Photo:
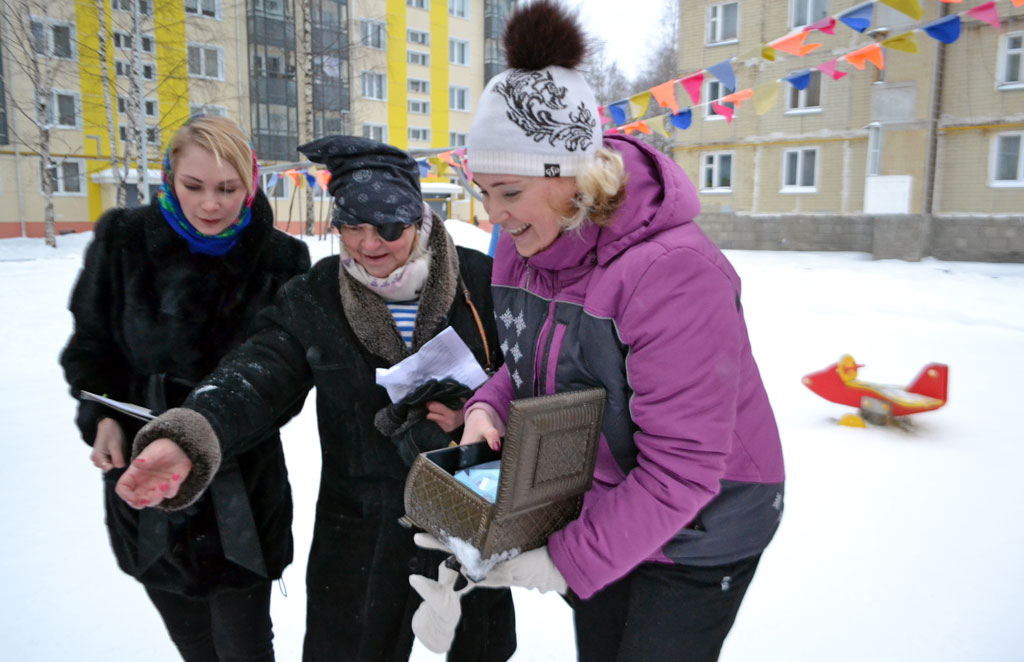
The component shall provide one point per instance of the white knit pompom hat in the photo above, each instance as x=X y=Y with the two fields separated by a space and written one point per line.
x=540 y=117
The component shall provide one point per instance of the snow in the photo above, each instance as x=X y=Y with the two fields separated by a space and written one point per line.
x=896 y=543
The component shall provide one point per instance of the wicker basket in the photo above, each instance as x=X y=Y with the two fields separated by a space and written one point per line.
x=547 y=463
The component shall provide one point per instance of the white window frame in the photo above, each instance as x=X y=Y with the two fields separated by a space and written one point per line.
x=373 y=34
x=419 y=106
x=419 y=134
x=47 y=25
x=457 y=139
x=145 y=7
x=59 y=188
x=713 y=25
x=806 y=7
x=369 y=129
x=421 y=37
x=799 y=186
x=200 y=12
x=418 y=4
x=285 y=183
x=208 y=109
x=122 y=39
x=370 y=81
x=419 y=86
x=152 y=44
x=994 y=161
x=457 y=48
x=713 y=92
x=458 y=8
x=714 y=161
x=418 y=58
x=874 y=156
x=454 y=92
x=796 y=100
x=52 y=118
x=149 y=68
x=1001 y=67
x=152 y=134
x=203 y=48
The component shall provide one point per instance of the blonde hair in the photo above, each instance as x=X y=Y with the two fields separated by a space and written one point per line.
x=600 y=189
x=218 y=136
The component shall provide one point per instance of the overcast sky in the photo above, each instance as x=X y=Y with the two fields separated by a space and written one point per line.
x=628 y=27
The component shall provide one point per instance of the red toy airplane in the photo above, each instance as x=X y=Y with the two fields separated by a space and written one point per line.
x=879 y=402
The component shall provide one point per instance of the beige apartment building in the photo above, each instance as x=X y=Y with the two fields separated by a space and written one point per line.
x=922 y=157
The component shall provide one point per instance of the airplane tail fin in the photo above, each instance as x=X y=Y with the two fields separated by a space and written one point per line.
x=931 y=381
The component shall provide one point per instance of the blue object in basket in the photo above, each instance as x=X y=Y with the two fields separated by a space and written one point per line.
x=482 y=479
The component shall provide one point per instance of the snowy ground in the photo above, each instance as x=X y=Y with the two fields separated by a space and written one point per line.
x=897 y=544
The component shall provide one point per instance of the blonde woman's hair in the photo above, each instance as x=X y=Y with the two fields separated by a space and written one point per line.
x=218 y=136
x=600 y=189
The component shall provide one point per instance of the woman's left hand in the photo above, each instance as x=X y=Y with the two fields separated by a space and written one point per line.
x=448 y=419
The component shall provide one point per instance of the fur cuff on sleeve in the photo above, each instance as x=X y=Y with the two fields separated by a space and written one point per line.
x=193 y=433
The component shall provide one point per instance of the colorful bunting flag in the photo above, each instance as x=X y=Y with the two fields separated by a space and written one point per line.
x=723 y=72
x=738 y=96
x=618 y=111
x=724 y=111
x=768 y=53
x=692 y=84
x=657 y=124
x=829 y=69
x=872 y=53
x=682 y=120
x=604 y=118
x=859 y=18
x=958 y=1
x=826 y=25
x=1017 y=3
x=987 y=13
x=638 y=125
x=794 y=44
x=310 y=179
x=447 y=158
x=272 y=182
x=911 y=8
x=800 y=80
x=946 y=30
x=294 y=176
x=906 y=42
x=612 y=130
x=665 y=95
x=765 y=97
x=638 y=103
x=322 y=177
x=424 y=167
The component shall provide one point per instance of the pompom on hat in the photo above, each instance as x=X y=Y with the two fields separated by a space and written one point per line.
x=538 y=118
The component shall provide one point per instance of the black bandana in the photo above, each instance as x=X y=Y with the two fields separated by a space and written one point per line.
x=371 y=183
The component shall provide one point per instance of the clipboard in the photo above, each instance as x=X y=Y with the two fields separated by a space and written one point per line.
x=133 y=410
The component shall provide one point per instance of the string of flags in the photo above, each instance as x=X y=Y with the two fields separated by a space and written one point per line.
x=318 y=177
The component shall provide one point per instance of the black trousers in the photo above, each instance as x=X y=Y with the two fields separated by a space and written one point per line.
x=663 y=613
x=230 y=626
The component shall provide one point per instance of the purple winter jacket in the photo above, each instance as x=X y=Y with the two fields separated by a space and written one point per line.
x=689 y=465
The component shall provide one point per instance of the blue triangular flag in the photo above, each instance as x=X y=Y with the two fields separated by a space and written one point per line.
x=723 y=72
x=946 y=30
x=272 y=182
x=618 y=111
x=682 y=119
x=859 y=18
x=800 y=80
x=424 y=167
x=310 y=179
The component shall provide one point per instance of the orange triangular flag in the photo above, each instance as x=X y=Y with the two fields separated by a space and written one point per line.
x=1018 y=3
x=872 y=53
x=294 y=176
x=642 y=127
x=665 y=95
x=738 y=96
x=794 y=44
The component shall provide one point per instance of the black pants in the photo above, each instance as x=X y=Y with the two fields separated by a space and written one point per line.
x=230 y=626
x=663 y=613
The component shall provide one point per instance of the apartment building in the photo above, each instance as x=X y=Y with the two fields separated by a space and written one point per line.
x=935 y=136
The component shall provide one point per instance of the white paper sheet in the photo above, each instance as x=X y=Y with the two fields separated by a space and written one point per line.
x=444 y=355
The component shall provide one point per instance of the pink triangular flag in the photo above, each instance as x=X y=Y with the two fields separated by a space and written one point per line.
x=826 y=25
x=665 y=95
x=987 y=13
x=692 y=84
x=829 y=69
x=604 y=118
x=724 y=111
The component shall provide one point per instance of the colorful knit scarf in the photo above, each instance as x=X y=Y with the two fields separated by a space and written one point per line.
x=215 y=245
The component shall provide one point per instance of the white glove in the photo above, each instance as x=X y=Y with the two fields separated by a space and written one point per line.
x=435 y=620
x=533 y=569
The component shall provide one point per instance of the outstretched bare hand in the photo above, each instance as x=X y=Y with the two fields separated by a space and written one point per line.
x=156 y=474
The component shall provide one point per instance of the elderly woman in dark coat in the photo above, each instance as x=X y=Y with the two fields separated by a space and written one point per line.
x=166 y=291
x=332 y=328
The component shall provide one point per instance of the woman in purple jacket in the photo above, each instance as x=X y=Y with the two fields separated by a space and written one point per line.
x=602 y=278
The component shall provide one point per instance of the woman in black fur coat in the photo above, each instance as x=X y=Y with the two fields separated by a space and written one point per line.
x=332 y=328
x=165 y=292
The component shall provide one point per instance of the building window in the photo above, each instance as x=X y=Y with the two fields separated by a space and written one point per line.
x=717 y=172
x=122 y=39
x=713 y=91
x=148 y=44
x=1008 y=160
x=805 y=12
x=723 y=21
x=205 y=61
x=269 y=7
x=373 y=34
x=148 y=71
x=68 y=175
x=62 y=111
x=418 y=4
x=374 y=85
x=458 y=97
x=419 y=107
x=807 y=99
x=419 y=86
x=457 y=139
x=152 y=108
x=145 y=8
x=458 y=8
x=416 y=133
x=418 y=57
x=1011 y=52
x=458 y=51
x=207 y=8
x=208 y=109
x=378 y=132
x=799 y=170
x=152 y=134
x=418 y=37
x=268 y=65
x=53 y=39
x=874 y=150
